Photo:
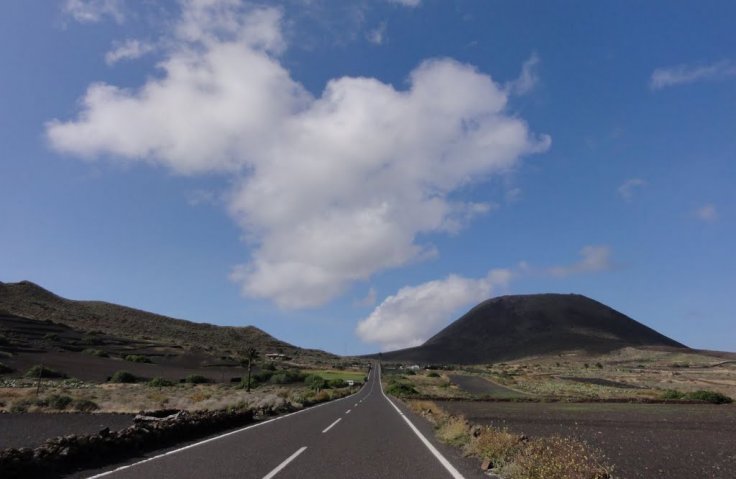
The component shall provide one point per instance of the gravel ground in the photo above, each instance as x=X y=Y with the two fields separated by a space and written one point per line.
x=32 y=429
x=642 y=441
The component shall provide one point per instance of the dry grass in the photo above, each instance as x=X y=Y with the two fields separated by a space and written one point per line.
x=513 y=456
x=557 y=458
x=497 y=445
x=132 y=398
x=454 y=431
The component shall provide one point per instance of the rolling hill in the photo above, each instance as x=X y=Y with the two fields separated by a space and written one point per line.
x=28 y=300
x=510 y=327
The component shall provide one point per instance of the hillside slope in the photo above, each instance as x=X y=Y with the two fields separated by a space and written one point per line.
x=518 y=326
x=29 y=300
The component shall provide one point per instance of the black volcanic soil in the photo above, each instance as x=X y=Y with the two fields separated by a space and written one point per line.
x=642 y=441
x=510 y=327
x=28 y=300
x=62 y=348
x=32 y=429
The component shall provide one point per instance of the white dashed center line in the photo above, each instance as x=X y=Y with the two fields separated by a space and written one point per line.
x=285 y=463
x=331 y=425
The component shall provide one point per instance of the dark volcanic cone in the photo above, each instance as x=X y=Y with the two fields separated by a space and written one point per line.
x=511 y=327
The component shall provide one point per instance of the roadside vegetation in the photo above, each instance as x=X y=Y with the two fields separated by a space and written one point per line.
x=517 y=457
x=272 y=389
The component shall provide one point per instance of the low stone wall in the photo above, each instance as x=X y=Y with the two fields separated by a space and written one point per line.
x=64 y=454
x=153 y=430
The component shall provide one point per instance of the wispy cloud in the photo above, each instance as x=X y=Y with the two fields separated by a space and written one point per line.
x=407 y=3
x=127 y=50
x=369 y=299
x=594 y=258
x=684 y=74
x=93 y=11
x=528 y=78
x=630 y=187
x=377 y=36
x=707 y=213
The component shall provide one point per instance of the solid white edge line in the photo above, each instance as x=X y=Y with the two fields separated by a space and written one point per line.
x=331 y=425
x=285 y=463
x=175 y=451
x=450 y=468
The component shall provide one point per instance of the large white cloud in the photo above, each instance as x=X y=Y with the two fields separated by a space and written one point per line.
x=330 y=188
x=414 y=313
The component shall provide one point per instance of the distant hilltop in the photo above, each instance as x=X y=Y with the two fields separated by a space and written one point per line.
x=509 y=327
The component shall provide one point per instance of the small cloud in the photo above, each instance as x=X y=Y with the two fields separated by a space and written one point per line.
x=369 y=299
x=93 y=11
x=378 y=35
x=203 y=197
x=684 y=74
x=407 y=3
x=513 y=195
x=127 y=50
x=629 y=188
x=528 y=78
x=594 y=259
x=707 y=213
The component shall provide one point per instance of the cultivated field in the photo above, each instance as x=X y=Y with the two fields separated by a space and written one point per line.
x=641 y=441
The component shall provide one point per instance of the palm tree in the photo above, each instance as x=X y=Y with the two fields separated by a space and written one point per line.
x=250 y=355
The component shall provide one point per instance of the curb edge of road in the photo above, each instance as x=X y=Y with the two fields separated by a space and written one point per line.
x=435 y=452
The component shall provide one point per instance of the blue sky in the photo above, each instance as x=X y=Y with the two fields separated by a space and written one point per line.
x=352 y=176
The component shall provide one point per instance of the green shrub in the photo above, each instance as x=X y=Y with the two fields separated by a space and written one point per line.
x=337 y=383
x=20 y=406
x=287 y=377
x=85 y=405
x=672 y=394
x=5 y=369
x=57 y=401
x=137 y=358
x=196 y=379
x=433 y=374
x=709 y=396
x=160 y=382
x=96 y=352
x=124 y=377
x=410 y=372
x=315 y=382
x=44 y=372
x=401 y=389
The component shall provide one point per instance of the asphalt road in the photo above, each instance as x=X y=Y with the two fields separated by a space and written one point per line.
x=366 y=435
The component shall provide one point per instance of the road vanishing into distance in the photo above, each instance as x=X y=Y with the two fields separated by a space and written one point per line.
x=366 y=435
